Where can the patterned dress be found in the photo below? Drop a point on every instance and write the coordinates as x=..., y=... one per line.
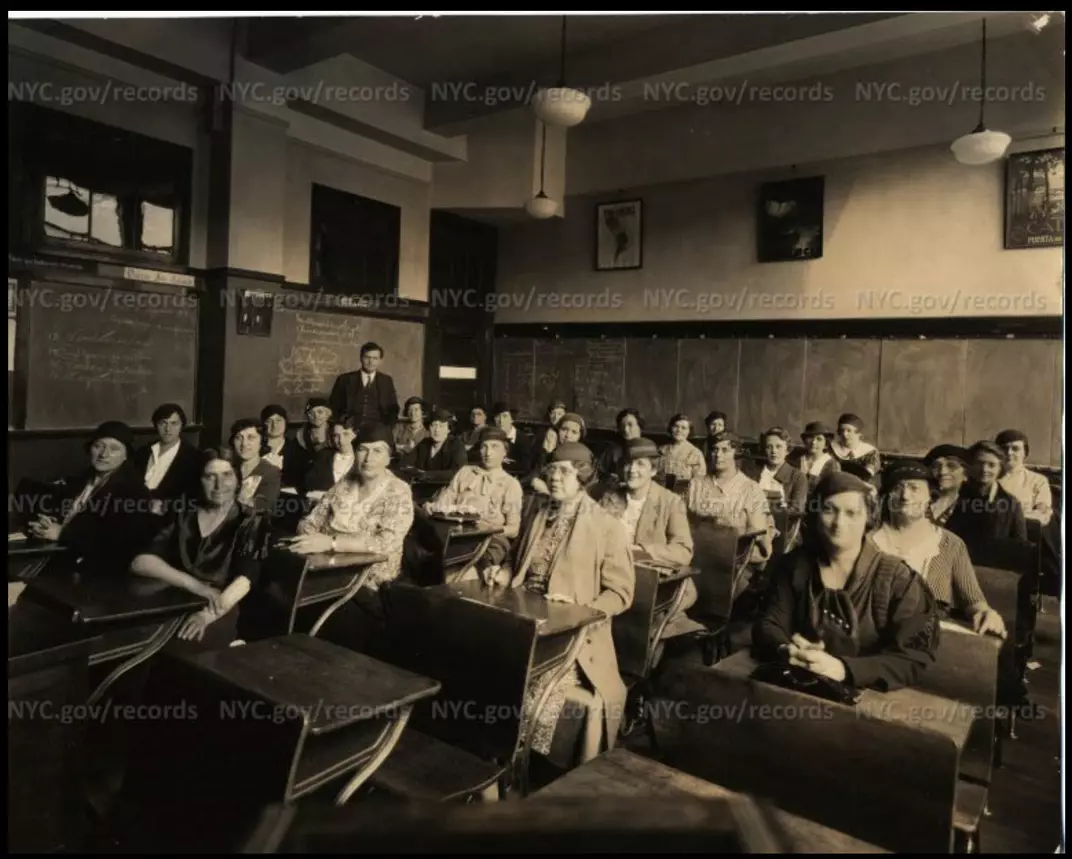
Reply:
x=381, y=520
x=683, y=461
x=536, y=581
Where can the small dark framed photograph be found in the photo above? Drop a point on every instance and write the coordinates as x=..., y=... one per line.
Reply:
x=255, y=313
x=790, y=220
x=619, y=235
x=1035, y=199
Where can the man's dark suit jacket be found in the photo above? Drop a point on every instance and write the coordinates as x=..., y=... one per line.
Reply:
x=346, y=396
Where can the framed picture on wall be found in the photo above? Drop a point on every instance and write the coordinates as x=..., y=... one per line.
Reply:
x=255, y=313
x=790, y=225
x=619, y=235
x=1035, y=199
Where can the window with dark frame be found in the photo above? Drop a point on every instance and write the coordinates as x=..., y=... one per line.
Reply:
x=354, y=243
x=90, y=187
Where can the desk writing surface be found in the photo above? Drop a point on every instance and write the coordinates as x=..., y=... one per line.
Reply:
x=551, y=618
x=29, y=547
x=333, y=561
x=909, y=705
x=668, y=574
x=101, y=598
x=619, y=773
x=302, y=673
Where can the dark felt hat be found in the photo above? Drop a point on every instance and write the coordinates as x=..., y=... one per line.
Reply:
x=816, y=428
x=113, y=429
x=493, y=434
x=904, y=469
x=641, y=448
x=443, y=416
x=571, y=451
x=837, y=482
x=272, y=410
x=947, y=451
x=370, y=433
x=316, y=402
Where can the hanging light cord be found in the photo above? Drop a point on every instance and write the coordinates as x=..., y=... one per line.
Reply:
x=982, y=78
x=562, y=57
x=543, y=158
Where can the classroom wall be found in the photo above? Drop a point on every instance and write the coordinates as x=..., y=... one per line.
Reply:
x=914, y=229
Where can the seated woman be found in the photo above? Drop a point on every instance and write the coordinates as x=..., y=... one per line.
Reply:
x=409, y=430
x=369, y=510
x=519, y=451
x=839, y=607
x=572, y=551
x=681, y=459
x=851, y=448
x=282, y=452
x=730, y=498
x=937, y=555
x=332, y=463
x=816, y=461
x=489, y=492
x=314, y=434
x=715, y=422
x=1028, y=487
x=478, y=419
x=214, y=551
x=260, y=481
x=630, y=426
x=170, y=465
x=778, y=477
x=654, y=520
x=983, y=510
x=571, y=427
x=441, y=451
x=949, y=469
x=548, y=437
x=101, y=513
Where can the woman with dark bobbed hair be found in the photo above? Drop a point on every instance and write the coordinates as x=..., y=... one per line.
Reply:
x=259, y=480
x=842, y=609
x=681, y=459
x=170, y=465
x=630, y=426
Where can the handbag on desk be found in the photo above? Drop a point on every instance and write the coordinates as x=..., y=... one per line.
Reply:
x=802, y=680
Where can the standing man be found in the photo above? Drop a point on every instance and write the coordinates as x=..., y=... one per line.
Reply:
x=366, y=393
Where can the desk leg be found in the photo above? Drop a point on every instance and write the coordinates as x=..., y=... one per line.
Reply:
x=386, y=744
x=161, y=637
x=660, y=628
x=520, y=768
x=359, y=582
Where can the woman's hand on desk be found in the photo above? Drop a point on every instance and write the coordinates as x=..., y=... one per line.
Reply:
x=193, y=628
x=818, y=661
x=310, y=544
x=213, y=596
x=495, y=575
x=986, y=621
x=560, y=598
x=45, y=528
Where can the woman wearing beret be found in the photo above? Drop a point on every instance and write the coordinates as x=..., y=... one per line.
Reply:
x=839, y=607
x=949, y=469
x=816, y=461
x=409, y=430
x=938, y=555
x=850, y=447
x=983, y=510
x=681, y=458
x=369, y=510
x=570, y=550
x=440, y=451
x=103, y=512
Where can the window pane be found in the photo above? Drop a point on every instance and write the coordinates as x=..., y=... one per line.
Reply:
x=157, y=228
x=107, y=226
x=66, y=210
x=457, y=372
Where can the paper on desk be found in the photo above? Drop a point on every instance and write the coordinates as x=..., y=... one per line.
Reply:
x=17, y=537
x=949, y=626
x=288, y=490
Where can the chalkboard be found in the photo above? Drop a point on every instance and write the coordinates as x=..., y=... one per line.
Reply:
x=107, y=354
x=1002, y=387
x=842, y=376
x=921, y=394
x=514, y=367
x=911, y=394
x=307, y=350
x=599, y=380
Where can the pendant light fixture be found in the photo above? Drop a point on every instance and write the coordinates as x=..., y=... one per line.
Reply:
x=982, y=146
x=561, y=105
x=541, y=206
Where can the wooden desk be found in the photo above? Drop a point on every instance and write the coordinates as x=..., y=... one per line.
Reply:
x=107, y=602
x=26, y=558
x=295, y=581
x=47, y=680
x=910, y=706
x=559, y=639
x=620, y=774
x=345, y=710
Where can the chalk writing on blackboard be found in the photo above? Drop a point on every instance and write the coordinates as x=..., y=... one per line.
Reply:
x=308, y=369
